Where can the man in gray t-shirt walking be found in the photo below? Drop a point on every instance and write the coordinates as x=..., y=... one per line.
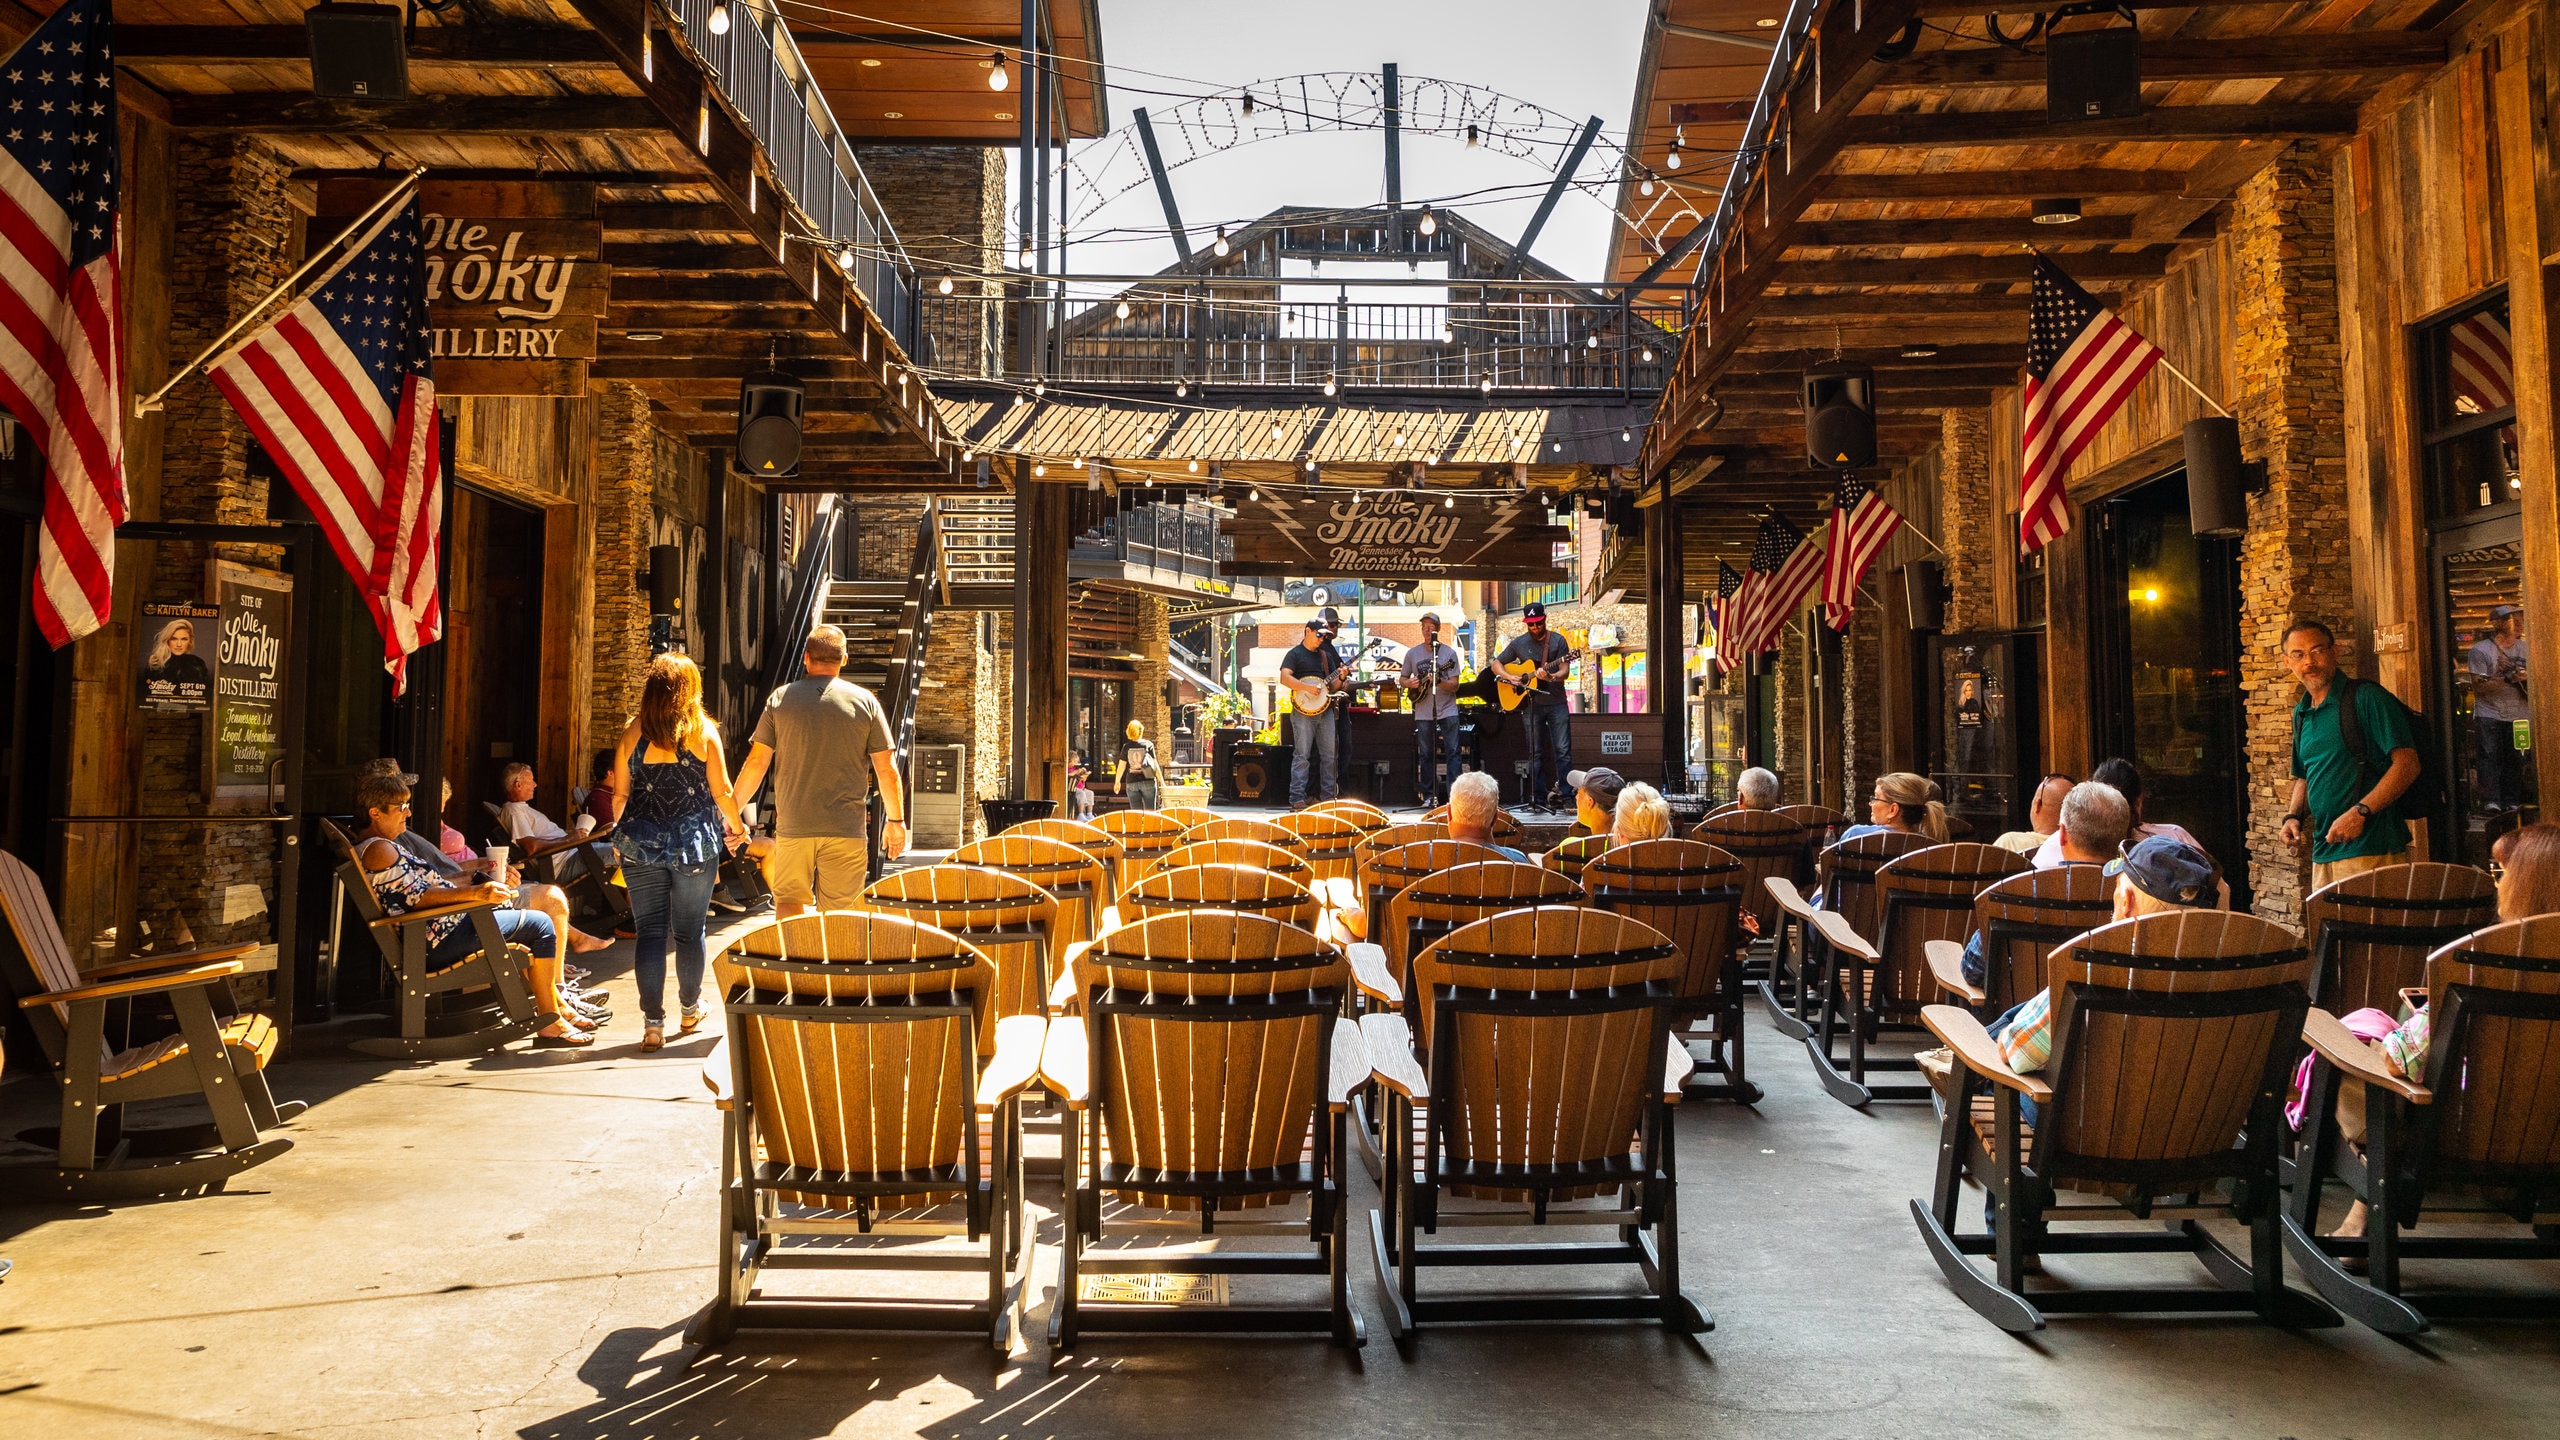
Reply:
x=823, y=726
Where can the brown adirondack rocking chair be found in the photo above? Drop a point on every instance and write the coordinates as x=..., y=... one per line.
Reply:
x=447, y=1009
x=1767, y=844
x=1571, y=856
x=2482, y=1122
x=866, y=1083
x=2020, y=920
x=1386, y=870
x=1845, y=878
x=1330, y=841
x=2371, y=933
x=1369, y=818
x=1089, y=838
x=1247, y=827
x=1188, y=815
x=1011, y=921
x=1080, y=883
x=1878, y=988
x=1144, y=837
x=1533, y=1093
x=2174, y=1037
x=589, y=879
x=1692, y=892
x=221, y=1058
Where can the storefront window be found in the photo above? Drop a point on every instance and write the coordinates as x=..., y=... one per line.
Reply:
x=2468, y=412
x=2490, y=733
x=1622, y=683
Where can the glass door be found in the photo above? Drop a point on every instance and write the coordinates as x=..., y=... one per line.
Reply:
x=2482, y=692
x=1974, y=718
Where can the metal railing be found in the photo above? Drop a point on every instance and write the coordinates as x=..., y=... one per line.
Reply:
x=1181, y=540
x=808, y=597
x=760, y=69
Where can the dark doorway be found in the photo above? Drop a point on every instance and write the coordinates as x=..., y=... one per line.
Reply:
x=493, y=680
x=2164, y=666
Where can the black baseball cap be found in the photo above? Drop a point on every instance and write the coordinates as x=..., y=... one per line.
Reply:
x=1327, y=619
x=1599, y=782
x=2170, y=871
x=1534, y=611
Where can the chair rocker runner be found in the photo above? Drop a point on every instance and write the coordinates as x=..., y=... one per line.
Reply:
x=2174, y=1037
x=1845, y=875
x=868, y=1095
x=1535, y=1094
x=223, y=1059
x=2483, y=1119
x=1877, y=990
x=1692, y=892
x=438, y=1018
x=1206, y=1080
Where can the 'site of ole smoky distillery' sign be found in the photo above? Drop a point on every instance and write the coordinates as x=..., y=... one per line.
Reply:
x=1386, y=534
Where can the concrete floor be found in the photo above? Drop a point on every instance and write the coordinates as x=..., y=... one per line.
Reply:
x=513, y=1246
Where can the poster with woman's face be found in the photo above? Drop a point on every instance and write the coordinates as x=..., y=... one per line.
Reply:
x=172, y=675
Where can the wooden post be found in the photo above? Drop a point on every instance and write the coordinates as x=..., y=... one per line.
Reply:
x=1669, y=690
x=1039, y=637
x=2522, y=157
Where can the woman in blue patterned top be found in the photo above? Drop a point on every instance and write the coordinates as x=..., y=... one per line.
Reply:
x=672, y=800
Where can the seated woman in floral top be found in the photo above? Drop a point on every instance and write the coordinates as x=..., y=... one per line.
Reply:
x=536, y=917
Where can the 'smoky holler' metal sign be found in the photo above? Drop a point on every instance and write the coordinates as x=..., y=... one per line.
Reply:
x=1388, y=534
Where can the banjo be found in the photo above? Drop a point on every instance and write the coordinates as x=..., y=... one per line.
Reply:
x=1314, y=697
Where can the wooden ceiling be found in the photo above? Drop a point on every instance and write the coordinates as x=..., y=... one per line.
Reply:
x=1894, y=220
x=1699, y=92
x=914, y=72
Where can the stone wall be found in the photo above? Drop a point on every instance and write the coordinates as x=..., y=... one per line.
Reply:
x=1146, y=693
x=1862, y=712
x=626, y=465
x=1971, y=527
x=884, y=537
x=961, y=705
x=947, y=203
x=1788, y=720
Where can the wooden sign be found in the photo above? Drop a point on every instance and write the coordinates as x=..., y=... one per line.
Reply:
x=250, y=640
x=515, y=285
x=1391, y=534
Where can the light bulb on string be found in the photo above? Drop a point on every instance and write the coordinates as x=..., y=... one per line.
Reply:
x=847, y=256
x=1248, y=102
x=1181, y=388
x=720, y=19
x=1023, y=260
x=1645, y=187
x=1430, y=223
x=1122, y=313
x=1591, y=341
x=999, y=78
x=1331, y=388
x=1311, y=467
x=1647, y=354
x=1626, y=437
x=1253, y=494
x=1485, y=385
x=1020, y=399
x=1040, y=388
x=1219, y=246
x=1448, y=502
x=1195, y=467
x=844, y=258
x=1475, y=137
x=1040, y=471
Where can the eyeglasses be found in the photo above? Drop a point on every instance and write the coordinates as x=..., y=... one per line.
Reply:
x=2291, y=654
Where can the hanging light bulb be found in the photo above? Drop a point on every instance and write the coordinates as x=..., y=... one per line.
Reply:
x=1023, y=260
x=1591, y=341
x=1253, y=494
x=1485, y=385
x=1275, y=430
x=1647, y=355
x=944, y=287
x=1645, y=187
x=1311, y=467
x=999, y=78
x=1430, y=223
x=1195, y=467
x=1626, y=437
x=1475, y=137
x=1123, y=311
x=1331, y=388
x=1448, y=502
x=1397, y=439
x=1672, y=160
x=1219, y=246
x=1181, y=388
x=1040, y=471
x=844, y=257
x=1248, y=102
x=720, y=19
x=968, y=455
x=1556, y=446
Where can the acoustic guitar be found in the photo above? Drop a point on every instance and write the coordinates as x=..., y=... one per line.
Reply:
x=1520, y=680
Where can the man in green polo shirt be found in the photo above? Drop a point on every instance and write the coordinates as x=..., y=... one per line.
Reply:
x=2350, y=814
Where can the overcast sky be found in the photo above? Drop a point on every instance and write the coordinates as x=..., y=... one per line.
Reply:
x=1578, y=60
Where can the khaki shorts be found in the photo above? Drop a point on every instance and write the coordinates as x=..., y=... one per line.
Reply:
x=828, y=873
x=2337, y=870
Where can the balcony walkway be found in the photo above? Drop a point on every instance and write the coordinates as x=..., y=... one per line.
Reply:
x=512, y=1246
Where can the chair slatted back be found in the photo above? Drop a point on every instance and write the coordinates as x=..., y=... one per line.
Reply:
x=1367, y=817
x=2371, y=933
x=1188, y=815
x=2493, y=1058
x=1378, y=842
x=1822, y=824
x=1504, y=826
x=1766, y=843
x=1246, y=827
x=1210, y=1040
x=2169, y=1030
x=1077, y=881
x=1435, y=904
x=1241, y=888
x=1848, y=872
x=2023, y=917
x=1923, y=896
x=1570, y=856
x=1545, y=1031
x=1091, y=839
x=40, y=961
x=860, y=1037
x=1688, y=890
x=1386, y=870
x=1331, y=843
x=1011, y=921
x=1287, y=864
x=1144, y=837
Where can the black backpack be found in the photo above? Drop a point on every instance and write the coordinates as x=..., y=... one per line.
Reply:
x=2427, y=798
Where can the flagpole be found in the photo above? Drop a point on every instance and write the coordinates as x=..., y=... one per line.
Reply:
x=150, y=404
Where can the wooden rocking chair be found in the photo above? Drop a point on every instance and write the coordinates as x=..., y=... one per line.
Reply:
x=1768, y=845
x=1538, y=1097
x=1215, y=1066
x=439, y=1017
x=1692, y=892
x=1505, y=825
x=221, y=1058
x=1144, y=837
x=1571, y=856
x=2021, y=920
x=1877, y=989
x=1385, y=872
x=1330, y=842
x=1846, y=875
x=865, y=1079
x=2174, y=1037
x=1367, y=817
x=1079, y=883
x=1011, y=921
x=1247, y=827
x=2483, y=1119
x=590, y=880
x=1091, y=839
x=2371, y=933
x=1188, y=815
x=1408, y=832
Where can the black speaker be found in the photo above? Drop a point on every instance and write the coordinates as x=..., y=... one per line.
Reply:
x=1251, y=772
x=2093, y=74
x=1840, y=416
x=769, y=408
x=2217, y=478
x=357, y=52
x=1923, y=595
x=666, y=579
x=1222, y=762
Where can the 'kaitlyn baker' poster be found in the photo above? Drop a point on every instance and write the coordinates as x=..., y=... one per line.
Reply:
x=173, y=669
x=255, y=623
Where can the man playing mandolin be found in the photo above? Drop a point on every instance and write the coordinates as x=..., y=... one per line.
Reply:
x=1535, y=663
x=1313, y=670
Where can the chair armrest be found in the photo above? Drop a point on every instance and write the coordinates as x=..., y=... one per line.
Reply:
x=435, y=912
x=1341, y=895
x=715, y=1074
x=1783, y=890
x=1016, y=1063
x=1369, y=971
x=1835, y=929
x=1677, y=1066
x=1063, y=1065
x=1979, y=1052
x=170, y=960
x=1064, y=992
x=1350, y=1064
x=188, y=978
x=1390, y=1047
x=1946, y=962
x=2355, y=1059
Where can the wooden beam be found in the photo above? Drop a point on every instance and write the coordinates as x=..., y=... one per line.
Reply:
x=2001, y=184
x=1751, y=406
x=1776, y=345
x=717, y=292
x=1968, y=269
x=1829, y=307
x=635, y=360
x=583, y=117
x=528, y=46
x=2211, y=182
x=1940, y=8
x=2166, y=124
x=2226, y=57
x=686, y=218
x=681, y=319
x=2014, y=230
x=1897, y=375
x=688, y=256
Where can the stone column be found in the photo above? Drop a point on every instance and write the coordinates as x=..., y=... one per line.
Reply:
x=1862, y=702
x=1786, y=724
x=1969, y=517
x=625, y=469
x=1146, y=702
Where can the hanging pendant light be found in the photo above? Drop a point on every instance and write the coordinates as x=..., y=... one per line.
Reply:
x=720, y=18
x=1123, y=312
x=1331, y=387
x=1430, y=224
x=846, y=255
x=998, y=78
x=1219, y=246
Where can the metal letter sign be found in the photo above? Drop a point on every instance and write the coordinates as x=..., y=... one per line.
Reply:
x=1393, y=534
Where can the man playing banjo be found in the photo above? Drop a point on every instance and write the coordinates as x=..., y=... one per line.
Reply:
x=1311, y=669
x=1431, y=673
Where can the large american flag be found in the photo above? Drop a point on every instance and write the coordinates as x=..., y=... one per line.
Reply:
x=62, y=305
x=1720, y=614
x=338, y=389
x=1861, y=522
x=2082, y=364
x=1784, y=566
x=2484, y=369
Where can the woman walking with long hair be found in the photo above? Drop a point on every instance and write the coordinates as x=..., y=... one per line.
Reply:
x=671, y=797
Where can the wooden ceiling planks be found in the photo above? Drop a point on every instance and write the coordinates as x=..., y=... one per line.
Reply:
x=915, y=71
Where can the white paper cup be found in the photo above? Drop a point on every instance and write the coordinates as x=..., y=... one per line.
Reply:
x=497, y=862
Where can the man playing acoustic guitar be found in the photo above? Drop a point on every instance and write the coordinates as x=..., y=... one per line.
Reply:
x=1535, y=664
x=1311, y=669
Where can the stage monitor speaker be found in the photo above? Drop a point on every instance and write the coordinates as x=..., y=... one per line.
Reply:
x=769, y=409
x=357, y=52
x=666, y=579
x=2217, y=478
x=1250, y=771
x=1923, y=595
x=2093, y=74
x=1840, y=416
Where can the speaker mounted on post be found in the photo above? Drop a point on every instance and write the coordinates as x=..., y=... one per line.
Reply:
x=358, y=52
x=2092, y=74
x=1840, y=416
x=2219, y=480
x=770, y=407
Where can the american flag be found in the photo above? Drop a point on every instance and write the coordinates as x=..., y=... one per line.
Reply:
x=1861, y=522
x=338, y=390
x=1720, y=614
x=2082, y=364
x=62, y=304
x=2484, y=371
x=1784, y=566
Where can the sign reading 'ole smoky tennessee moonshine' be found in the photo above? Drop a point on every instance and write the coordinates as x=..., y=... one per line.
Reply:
x=1393, y=533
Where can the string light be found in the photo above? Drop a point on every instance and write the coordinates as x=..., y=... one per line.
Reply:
x=1123, y=312
x=1679, y=137
x=1646, y=187
x=1485, y=385
x=1248, y=102
x=1023, y=261
x=847, y=256
x=1040, y=471
x=1591, y=341
x=1040, y=388
x=1448, y=502
x=1430, y=223
x=999, y=78
x=1311, y=466
x=1253, y=494
x=720, y=19
x=1195, y=467
x=1219, y=246
x=1626, y=437
x=1275, y=429
x=1648, y=354
x=1020, y=400
x=1475, y=137
x=1181, y=388
x=1331, y=389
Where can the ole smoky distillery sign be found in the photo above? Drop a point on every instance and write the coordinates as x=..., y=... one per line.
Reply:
x=1387, y=534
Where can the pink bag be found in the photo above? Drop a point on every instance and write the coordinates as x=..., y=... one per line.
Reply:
x=2365, y=1024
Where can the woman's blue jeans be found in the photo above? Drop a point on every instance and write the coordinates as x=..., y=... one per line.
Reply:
x=669, y=903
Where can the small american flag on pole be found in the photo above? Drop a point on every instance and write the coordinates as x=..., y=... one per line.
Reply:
x=1720, y=614
x=1861, y=522
x=62, y=305
x=1784, y=566
x=2082, y=364
x=338, y=390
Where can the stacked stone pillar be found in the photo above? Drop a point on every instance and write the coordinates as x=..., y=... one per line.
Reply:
x=1971, y=526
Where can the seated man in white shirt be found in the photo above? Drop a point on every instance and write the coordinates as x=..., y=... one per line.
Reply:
x=2044, y=817
x=535, y=833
